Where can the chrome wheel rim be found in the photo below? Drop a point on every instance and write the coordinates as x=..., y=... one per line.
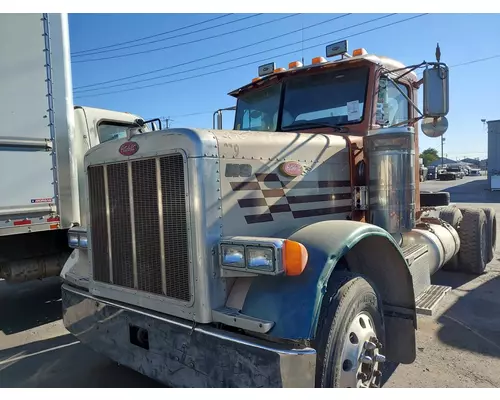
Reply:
x=361, y=358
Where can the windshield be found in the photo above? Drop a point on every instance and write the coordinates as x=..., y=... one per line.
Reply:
x=258, y=111
x=109, y=131
x=114, y=130
x=334, y=98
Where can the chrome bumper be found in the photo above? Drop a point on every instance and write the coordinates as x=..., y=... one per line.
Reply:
x=177, y=353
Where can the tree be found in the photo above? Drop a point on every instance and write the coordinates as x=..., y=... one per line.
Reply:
x=429, y=156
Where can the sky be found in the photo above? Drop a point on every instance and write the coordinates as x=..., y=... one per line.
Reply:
x=189, y=93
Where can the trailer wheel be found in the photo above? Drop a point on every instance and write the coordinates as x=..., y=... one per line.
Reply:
x=491, y=231
x=350, y=334
x=453, y=216
x=473, y=254
x=434, y=199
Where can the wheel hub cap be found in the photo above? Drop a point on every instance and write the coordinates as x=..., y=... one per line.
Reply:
x=361, y=356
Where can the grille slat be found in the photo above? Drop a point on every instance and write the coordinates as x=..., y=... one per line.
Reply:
x=147, y=226
x=99, y=224
x=121, y=232
x=172, y=280
x=175, y=228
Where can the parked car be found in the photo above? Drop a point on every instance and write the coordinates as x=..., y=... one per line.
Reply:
x=432, y=173
x=452, y=173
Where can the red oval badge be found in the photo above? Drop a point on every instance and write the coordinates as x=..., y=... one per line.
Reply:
x=128, y=148
x=292, y=168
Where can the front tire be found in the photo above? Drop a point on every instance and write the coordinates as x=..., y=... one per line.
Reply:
x=350, y=334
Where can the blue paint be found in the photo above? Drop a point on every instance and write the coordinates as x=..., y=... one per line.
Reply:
x=294, y=302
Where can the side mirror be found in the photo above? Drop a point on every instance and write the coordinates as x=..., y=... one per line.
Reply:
x=436, y=91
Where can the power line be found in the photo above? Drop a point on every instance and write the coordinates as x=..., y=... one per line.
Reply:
x=246, y=64
x=218, y=54
x=155, y=35
x=475, y=61
x=136, y=53
x=420, y=75
x=455, y=65
x=194, y=114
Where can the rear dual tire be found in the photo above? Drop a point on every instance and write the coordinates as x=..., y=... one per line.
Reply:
x=476, y=228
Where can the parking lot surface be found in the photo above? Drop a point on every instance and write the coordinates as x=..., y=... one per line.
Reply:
x=459, y=346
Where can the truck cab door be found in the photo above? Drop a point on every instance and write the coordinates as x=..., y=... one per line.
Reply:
x=92, y=127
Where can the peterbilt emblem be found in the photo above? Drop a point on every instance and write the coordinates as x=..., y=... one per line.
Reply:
x=291, y=168
x=128, y=148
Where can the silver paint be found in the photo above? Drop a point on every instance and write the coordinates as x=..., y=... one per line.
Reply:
x=177, y=357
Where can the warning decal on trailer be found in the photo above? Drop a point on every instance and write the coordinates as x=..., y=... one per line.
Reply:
x=43, y=200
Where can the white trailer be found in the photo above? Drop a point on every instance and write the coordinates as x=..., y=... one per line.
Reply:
x=43, y=138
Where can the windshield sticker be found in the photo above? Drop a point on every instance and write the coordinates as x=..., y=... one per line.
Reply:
x=382, y=117
x=353, y=112
x=42, y=200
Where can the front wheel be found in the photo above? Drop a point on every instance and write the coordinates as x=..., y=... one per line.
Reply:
x=350, y=334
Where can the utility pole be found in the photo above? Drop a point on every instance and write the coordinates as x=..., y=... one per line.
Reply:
x=167, y=122
x=442, y=150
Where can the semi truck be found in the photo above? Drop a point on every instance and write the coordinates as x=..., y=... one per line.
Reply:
x=291, y=251
x=43, y=139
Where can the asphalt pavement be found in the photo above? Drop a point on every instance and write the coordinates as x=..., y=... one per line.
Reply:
x=457, y=347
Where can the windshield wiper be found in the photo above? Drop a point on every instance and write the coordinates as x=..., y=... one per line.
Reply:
x=307, y=125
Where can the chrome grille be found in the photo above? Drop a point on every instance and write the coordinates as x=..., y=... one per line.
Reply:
x=147, y=226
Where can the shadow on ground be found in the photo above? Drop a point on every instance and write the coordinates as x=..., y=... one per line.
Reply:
x=452, y=279
x=476, y=191
x=472, y=323
x=60, y=362
x=28, y=305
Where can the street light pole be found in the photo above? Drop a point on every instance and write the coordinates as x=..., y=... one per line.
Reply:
x=442, y=151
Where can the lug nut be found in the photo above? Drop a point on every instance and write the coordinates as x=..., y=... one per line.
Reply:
x=370, y=345
x=366, y=360
x=380, y=358
x=362, y=376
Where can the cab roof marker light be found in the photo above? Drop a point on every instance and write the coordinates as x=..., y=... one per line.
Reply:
x=267, y=69
x=277, y=70
x=359, y=52
x=318, y=60
x=256, y=79
x=295, y=64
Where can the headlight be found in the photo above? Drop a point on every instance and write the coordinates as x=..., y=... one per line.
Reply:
x=77, y=238
x=260, y=258
x=261, y=255
x=73, y=239
x=233, y=256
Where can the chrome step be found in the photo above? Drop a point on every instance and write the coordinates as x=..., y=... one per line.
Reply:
x=427, y=302
x=413, y=251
